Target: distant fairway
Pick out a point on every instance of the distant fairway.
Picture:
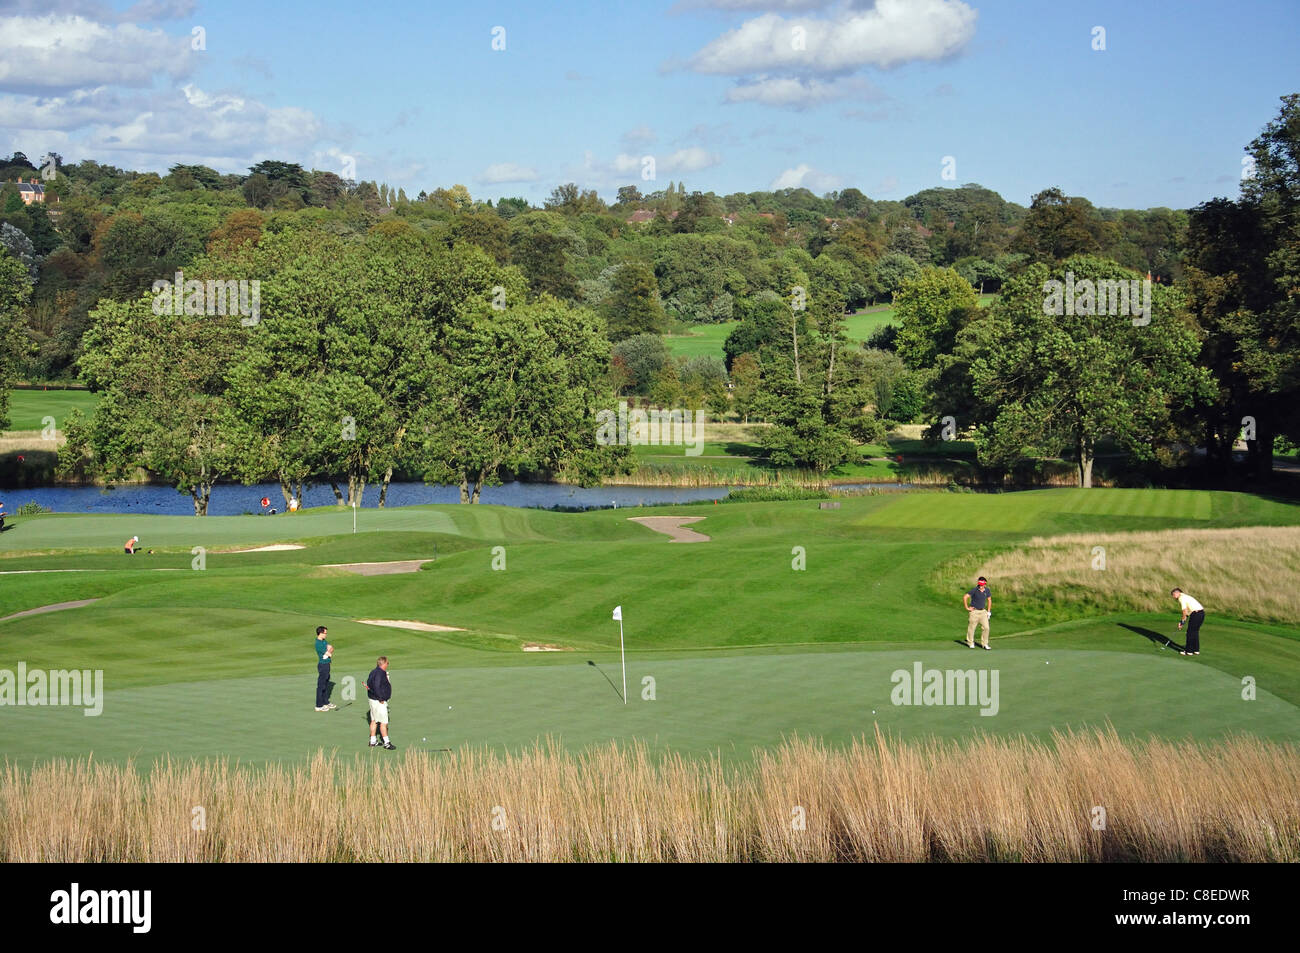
(706, 340)
(742, 649)
(28, 408)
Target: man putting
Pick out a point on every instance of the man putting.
(129, 546)
(979, 607)
(379, 690)
(324, 653)
(1193, 615)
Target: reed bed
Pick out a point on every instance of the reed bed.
(1249, 571)
(989, 799)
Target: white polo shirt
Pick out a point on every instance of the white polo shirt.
(1188, 603)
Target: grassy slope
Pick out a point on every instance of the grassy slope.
(27, 408)
(705, 340)
(742, 648)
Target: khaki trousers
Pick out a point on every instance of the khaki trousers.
(978, 617)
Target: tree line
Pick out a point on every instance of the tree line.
(1214, 359)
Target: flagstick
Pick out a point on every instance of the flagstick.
(623, 652)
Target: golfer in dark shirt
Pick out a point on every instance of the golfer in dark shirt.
(979, 607)
(324, 653)
(379, 690)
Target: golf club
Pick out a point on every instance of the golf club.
(607, 678)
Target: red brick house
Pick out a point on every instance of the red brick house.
(30, 192)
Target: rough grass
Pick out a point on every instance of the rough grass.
(981, 800)
(1248, 573)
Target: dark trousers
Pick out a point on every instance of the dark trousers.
(1194, 630)
(323, 684)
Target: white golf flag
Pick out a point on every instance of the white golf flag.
(618, 613)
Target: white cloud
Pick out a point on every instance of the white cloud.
(154, 130)
(797, 93)
(692, 159)
(891, 33)
(642, 135)
(501, 172)
(626, 168)
(72, 111)
(144, 11)
(806, 177)
(57, 54)
(751, 5)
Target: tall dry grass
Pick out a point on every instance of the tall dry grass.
(1248, 573)
(983, 800)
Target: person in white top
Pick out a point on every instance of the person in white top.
(1193, 615)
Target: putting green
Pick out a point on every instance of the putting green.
(701, 705)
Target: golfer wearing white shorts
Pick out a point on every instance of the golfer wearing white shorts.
(379, 690)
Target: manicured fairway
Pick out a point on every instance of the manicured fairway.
(744, 648)
(705, 340)
(28, 408)
(729, 704)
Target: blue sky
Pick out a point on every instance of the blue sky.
(725, 95)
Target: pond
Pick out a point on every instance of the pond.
(234, 500)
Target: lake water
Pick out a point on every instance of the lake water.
(236, 500)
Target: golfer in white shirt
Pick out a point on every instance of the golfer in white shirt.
(1193, 616)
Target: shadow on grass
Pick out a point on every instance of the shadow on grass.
(749, 451)
(1153, 636)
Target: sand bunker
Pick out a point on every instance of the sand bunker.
(673, 526)
(379, 569)
(273, 548)
(543, 647)
(408, 624)
(52, 607)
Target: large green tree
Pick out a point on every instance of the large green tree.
(15, 291)
(517, 391)
(931, 308)
(632, 306)
(1244, 285)
(1045, 383)
(164, 403)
